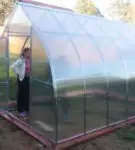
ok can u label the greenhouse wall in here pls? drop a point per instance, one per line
(82, 69)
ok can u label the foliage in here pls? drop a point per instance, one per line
(127, 134)
(86, 7)
(5, 9)
(121, 10)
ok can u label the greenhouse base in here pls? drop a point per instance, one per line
(67, 143)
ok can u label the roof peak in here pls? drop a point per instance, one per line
(44, 4)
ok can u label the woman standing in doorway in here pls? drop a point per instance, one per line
(22, 68)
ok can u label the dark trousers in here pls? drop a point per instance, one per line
(23, 94)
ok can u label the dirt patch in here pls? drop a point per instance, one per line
(114, 141)
(11, 138)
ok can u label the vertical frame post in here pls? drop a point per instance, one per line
(85, 108)
(8, 67)
(107, 101)
(57, 99)
(127, 95)
(31, 60)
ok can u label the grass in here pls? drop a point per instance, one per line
(126, 134)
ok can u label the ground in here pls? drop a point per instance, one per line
(12, 138)
(123, 139)
(111, 142)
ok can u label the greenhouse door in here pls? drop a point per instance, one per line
(4, 73)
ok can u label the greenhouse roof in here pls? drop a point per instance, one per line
(79, 43)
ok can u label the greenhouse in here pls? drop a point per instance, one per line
(82, 69)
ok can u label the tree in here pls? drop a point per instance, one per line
(86, 7)
(5, 9)
(120, 9)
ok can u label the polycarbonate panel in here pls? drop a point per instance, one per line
(3, 51)
(96, 104)
(131, 95)
(90, 57)
(82, 20)
(126, 46)
(128, 55)
(40, 65)
(3, 69)
(63, 56)
(19, 23)
(3, 74)
(115, 68)
(43, 19)
(93, 69)
(112, 29)
(92, 28)
(127, 50)
(104, 64)
(117, 98)
(129, 32)
(41, 71)
(70, 106)
(69, 23)
(3, 96)
(42, 106)
(3, 60)
(42, 109)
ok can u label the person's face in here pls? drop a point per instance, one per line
(27, 54)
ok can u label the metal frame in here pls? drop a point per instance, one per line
(125, 70)
(52, 70)
(34, 30)
(31, 47)
(5, 58)
(84, 86)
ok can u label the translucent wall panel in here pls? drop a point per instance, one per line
(98, 66)
(40, 63)
(69, 23)
(129, 32)
(96, 105)
(19, 23)
(42, 106)
(63, 56)
(115, 69)
(131, 95)
(3, 50)
(3, 96)
(43, 20)
(92, 28)
(89, 55)
(3, 69)
(92, 69)
(128, 53)
(70, 106)
(3, 74)
(42, 109)
(81, 19)
(3, 60)
(112, 29)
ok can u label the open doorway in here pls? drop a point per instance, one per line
(16, 44)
